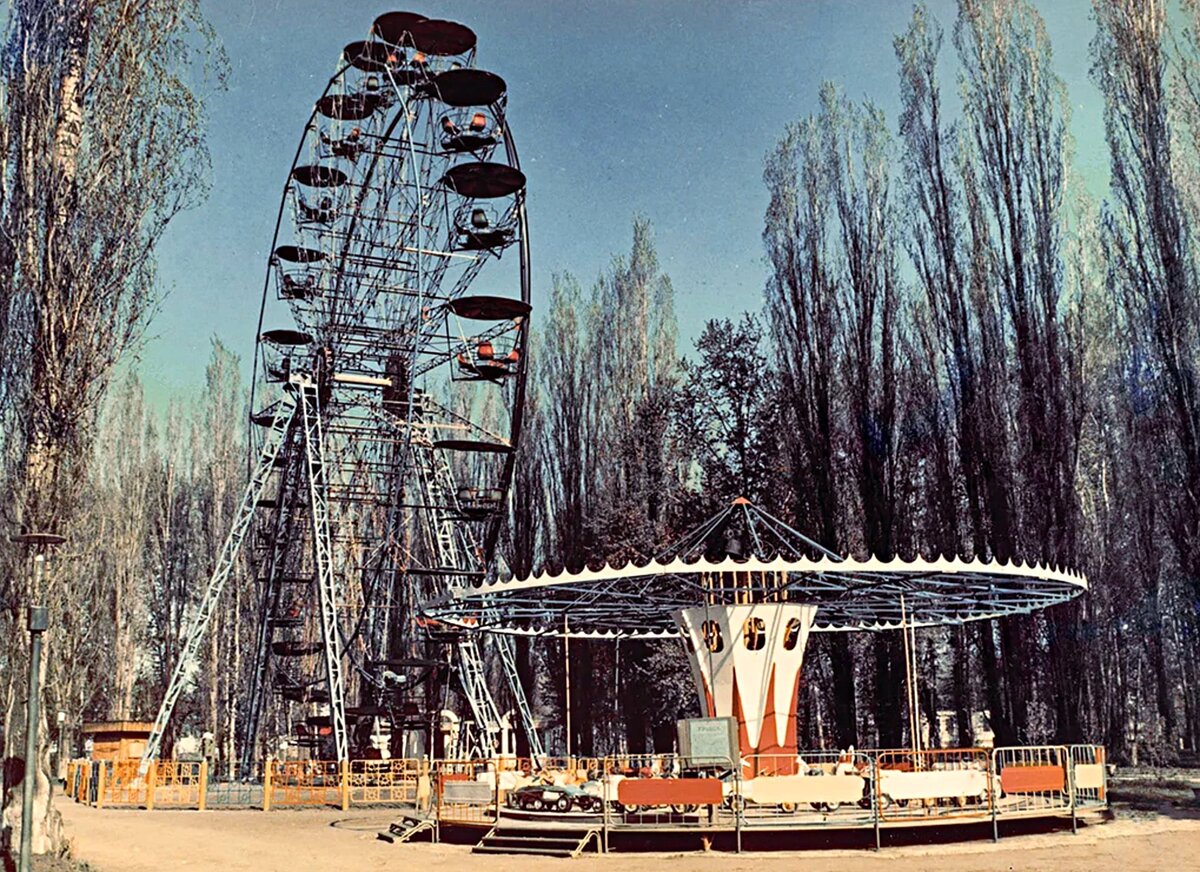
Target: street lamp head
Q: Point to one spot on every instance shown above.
(39, 541)
(38, 619)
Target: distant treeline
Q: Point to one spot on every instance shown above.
(959, 353)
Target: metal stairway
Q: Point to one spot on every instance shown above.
(561, 841)
(408, 828)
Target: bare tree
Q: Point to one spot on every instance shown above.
(858, 153)
(220, 449)
(726, 414)
(1150, 241)
(103, 147)
(806, 324)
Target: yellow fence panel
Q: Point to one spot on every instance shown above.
(373, 782)
(121, 783)
(179, 784)
(300, 783)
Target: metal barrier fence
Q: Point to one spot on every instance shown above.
(467, 791)
(814, 788)
(1032, 779)
(934, 783)
(304, 783)
(1089, 775)
(186, 784)
(94, 784)
(383, 781)
(665, 792)
(246, 793)
(121, 784)
(74, 775)
(178, 784)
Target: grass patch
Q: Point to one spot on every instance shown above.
(1146, 788)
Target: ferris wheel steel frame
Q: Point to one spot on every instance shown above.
(357, 491)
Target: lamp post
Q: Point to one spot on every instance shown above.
(37, 620)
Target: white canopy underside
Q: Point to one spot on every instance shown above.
(639, 601)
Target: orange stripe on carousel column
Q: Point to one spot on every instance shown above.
(792, 740)
(782, 755)
(768, 741)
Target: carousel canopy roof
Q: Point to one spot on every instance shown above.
(744, 555)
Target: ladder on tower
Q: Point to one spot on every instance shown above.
(272, 566)
(508, 660)
(479, 695)
(189, 659)
(328, 594)
(436, 479)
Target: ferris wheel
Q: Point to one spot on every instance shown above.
(396, 310)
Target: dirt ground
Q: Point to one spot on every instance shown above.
(296, 841)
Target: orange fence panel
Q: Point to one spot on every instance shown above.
(304, 783)
(669, 791)
(122, 784)
(71, 784)
(1033, 779)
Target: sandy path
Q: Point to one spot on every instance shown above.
(298, 841)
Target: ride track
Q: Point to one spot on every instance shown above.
(383, 462)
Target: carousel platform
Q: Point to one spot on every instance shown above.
(567, 835)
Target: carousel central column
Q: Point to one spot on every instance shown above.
(746, 662)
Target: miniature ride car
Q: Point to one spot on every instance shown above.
(554, 797)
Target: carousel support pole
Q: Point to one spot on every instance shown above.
(876, 799)
(604, 804)
(992, 794)
(496, 779)
(911, 682)
(1069, 764)
(567, 681)
(739, 807)
(917, 692)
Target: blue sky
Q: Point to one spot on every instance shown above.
(664, 109)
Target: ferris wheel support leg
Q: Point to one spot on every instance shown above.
(270, 601)
(504, 644)
(186, 665)
(314, 453)
(262, 659)
(479, 696)
(446, 540)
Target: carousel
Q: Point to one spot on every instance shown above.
(743, 591)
